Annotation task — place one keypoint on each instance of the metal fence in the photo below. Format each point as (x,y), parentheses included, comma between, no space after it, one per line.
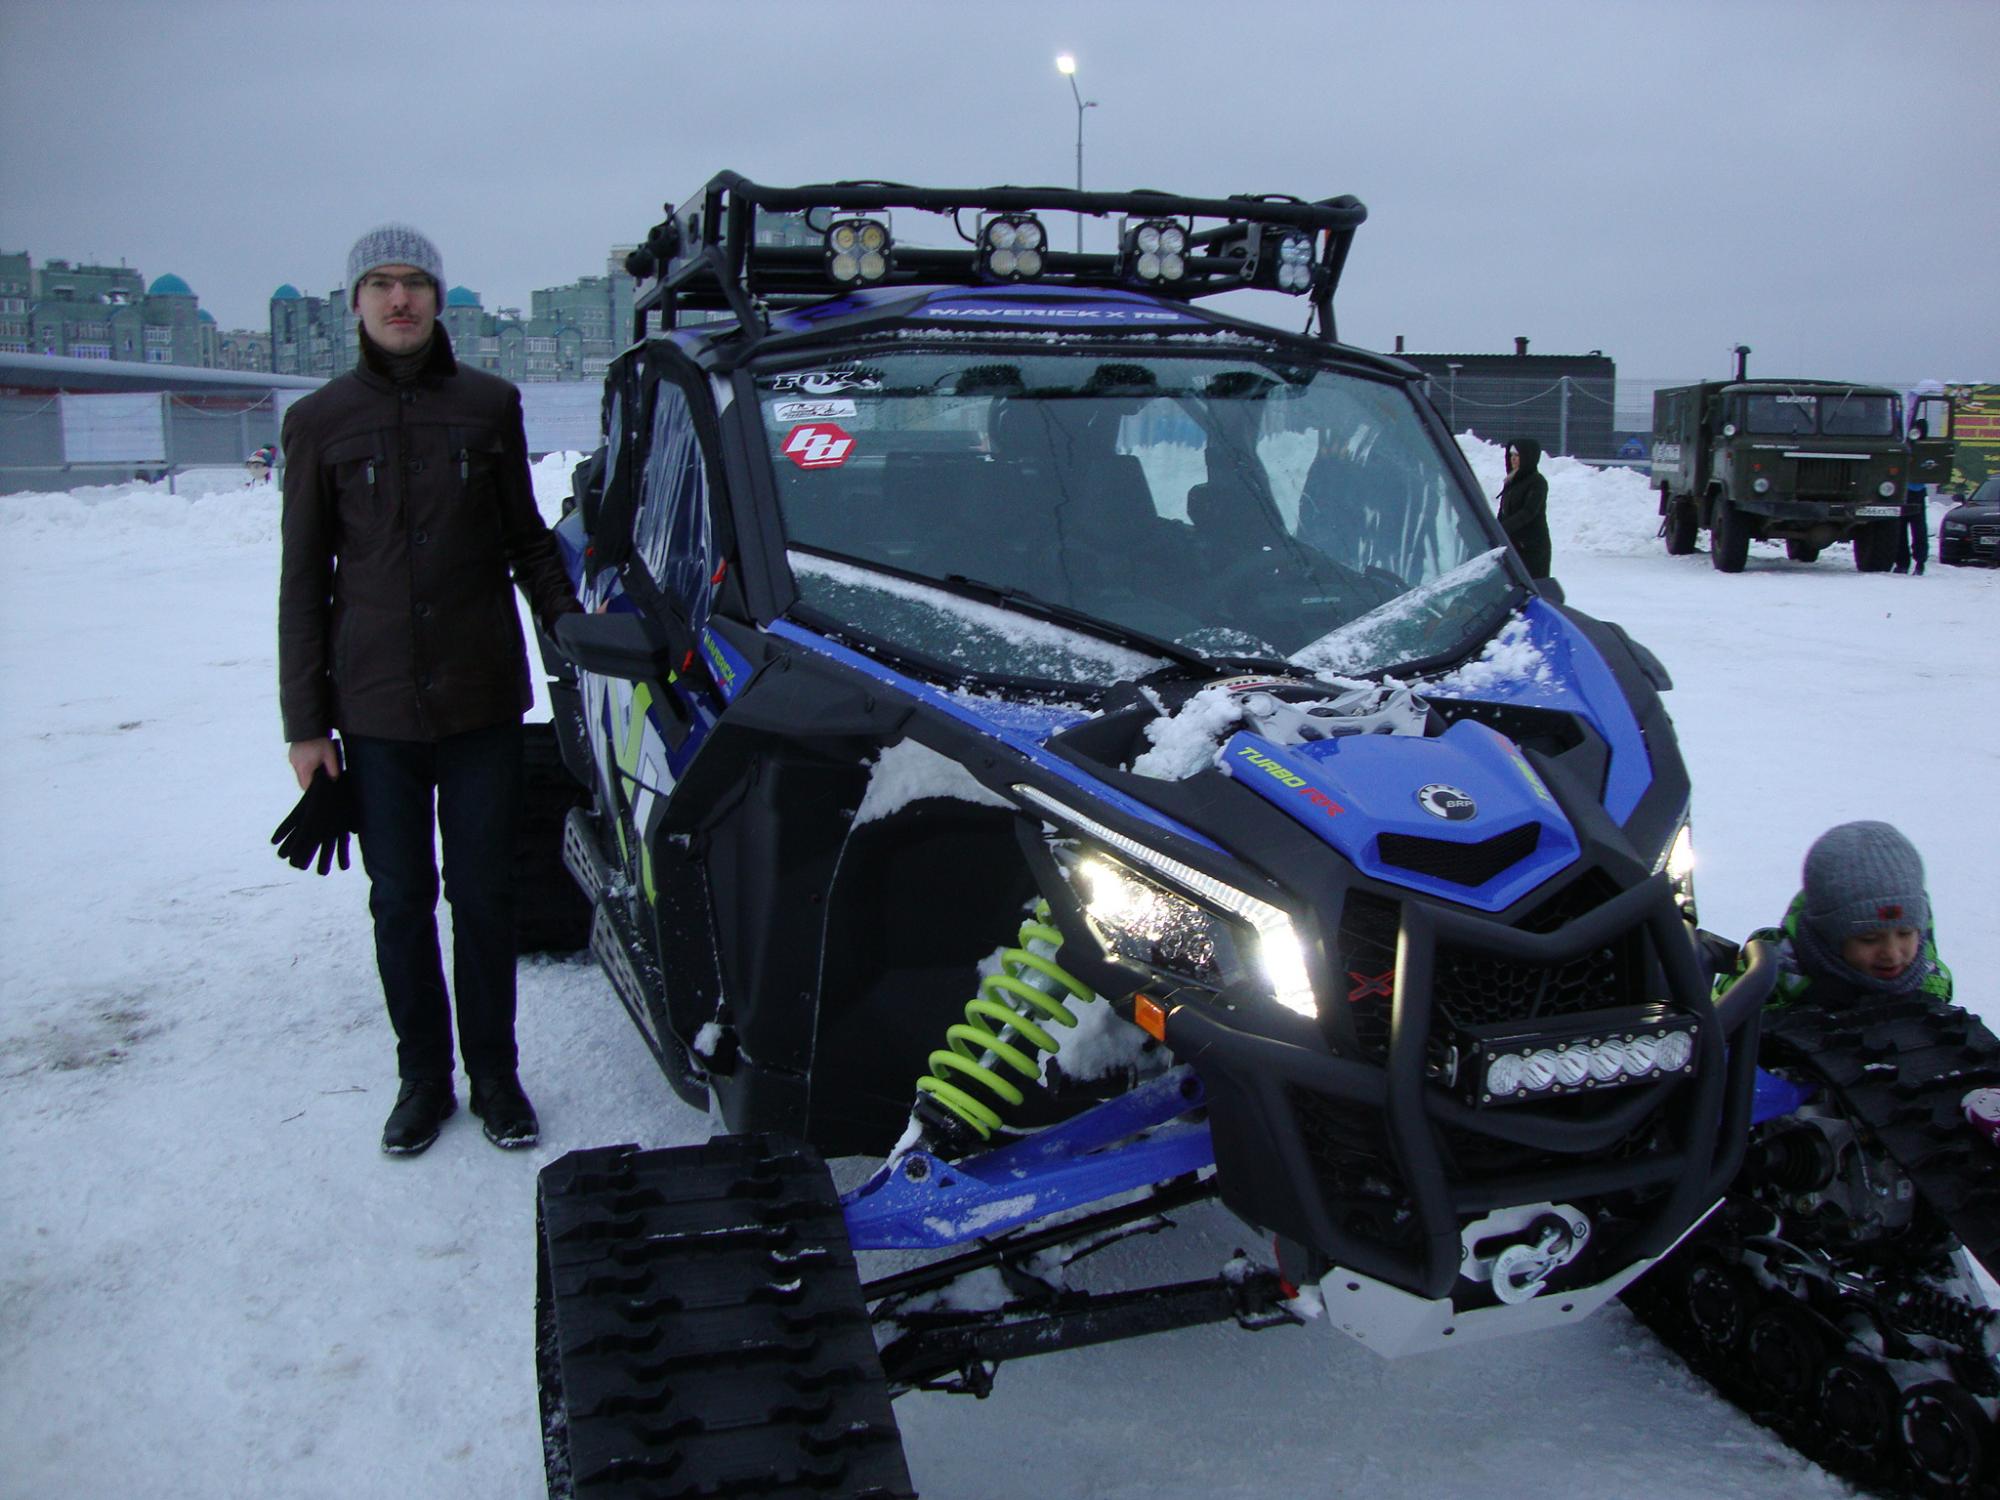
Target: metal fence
(56,442)
(1569,415)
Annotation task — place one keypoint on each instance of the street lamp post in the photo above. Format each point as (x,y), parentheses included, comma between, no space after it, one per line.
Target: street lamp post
(1066,65)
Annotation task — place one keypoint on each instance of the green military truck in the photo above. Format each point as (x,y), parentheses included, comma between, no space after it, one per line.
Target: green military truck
(1808,462)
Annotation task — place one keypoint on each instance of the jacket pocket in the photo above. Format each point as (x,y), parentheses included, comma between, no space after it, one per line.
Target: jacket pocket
(477,455)
(357,468)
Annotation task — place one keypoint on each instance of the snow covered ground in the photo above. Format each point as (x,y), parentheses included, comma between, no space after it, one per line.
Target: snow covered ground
(214,1285)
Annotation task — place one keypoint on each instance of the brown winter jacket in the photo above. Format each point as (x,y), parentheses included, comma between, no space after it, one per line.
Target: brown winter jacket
(406,510)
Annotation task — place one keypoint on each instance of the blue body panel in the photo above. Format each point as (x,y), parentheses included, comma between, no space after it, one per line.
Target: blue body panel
(1579,682)
(919,1201)
(1777,1096)
(1008,729)
(1352,789)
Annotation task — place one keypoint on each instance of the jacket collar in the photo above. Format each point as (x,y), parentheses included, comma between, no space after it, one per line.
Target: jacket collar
(439,364)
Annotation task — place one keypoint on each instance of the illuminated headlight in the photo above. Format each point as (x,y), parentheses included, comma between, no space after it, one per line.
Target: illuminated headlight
(1762,485)
(857,250)
(1678,861)
(1510,1066)
(1295,264)
(1149,909)
(1886,488)
(1010,247)
(1156,250)
(1956,528)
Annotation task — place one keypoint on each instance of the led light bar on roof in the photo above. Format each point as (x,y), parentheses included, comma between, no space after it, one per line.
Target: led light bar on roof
(857,250)
(1011,246)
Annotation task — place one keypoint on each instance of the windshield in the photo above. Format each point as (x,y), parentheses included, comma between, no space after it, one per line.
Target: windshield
(1838,414)
(1232,506)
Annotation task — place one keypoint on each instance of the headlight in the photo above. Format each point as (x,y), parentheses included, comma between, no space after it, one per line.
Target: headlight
(1761,485)
(1886,488)
(1678,861)
(1149,908)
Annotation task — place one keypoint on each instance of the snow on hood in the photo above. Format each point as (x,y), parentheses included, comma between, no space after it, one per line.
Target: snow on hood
(1510,657)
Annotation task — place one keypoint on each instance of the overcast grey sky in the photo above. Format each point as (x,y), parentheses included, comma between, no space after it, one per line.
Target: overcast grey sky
(1658,180)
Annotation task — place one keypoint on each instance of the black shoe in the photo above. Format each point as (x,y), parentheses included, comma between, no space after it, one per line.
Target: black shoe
(422,1106)
(505,1112)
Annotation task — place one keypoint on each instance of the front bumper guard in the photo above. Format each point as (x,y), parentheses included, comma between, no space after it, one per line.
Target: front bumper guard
(1258,1137)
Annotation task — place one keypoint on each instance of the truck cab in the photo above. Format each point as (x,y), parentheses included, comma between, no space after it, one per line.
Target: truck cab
(1808,462)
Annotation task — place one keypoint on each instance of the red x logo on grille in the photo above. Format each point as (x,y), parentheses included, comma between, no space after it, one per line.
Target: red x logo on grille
(1365,985)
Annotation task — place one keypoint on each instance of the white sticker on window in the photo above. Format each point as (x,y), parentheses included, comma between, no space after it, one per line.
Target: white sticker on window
(811,411)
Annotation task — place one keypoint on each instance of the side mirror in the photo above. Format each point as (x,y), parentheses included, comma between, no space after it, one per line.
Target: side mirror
(622,645)
(1550,590)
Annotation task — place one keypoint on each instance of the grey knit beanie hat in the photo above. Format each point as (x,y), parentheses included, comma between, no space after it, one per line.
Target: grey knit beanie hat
(1864,876)
(392,245)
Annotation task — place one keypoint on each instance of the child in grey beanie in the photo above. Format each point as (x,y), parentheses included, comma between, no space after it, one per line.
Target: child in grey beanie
(1861,924)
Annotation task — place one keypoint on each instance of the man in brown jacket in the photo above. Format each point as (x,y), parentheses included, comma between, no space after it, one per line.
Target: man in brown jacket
(408,508)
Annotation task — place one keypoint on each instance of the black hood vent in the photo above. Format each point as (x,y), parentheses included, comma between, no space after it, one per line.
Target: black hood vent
(1462,864)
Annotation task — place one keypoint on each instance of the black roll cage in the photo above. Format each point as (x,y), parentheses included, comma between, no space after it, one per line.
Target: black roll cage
(704,256)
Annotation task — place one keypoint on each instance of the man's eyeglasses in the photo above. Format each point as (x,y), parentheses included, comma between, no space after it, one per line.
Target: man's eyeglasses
(382,285)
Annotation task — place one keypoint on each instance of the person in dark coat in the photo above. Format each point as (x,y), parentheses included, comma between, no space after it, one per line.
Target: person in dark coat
(1913,542)
(1524,506)
(408,514)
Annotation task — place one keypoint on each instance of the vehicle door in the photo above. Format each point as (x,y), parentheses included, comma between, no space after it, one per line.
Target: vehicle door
(1931,455)
(655,553)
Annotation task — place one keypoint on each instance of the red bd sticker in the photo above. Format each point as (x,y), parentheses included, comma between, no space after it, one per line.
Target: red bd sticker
(818,445)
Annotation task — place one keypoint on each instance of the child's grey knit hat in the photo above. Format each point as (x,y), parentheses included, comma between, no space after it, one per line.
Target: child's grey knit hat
(392,245)
(1863,876)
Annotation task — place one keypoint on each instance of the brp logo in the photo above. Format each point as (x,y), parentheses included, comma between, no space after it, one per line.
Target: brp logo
(818,445)
(1446,802)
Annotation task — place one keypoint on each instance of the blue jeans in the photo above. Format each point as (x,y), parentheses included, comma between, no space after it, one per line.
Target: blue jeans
(475,782)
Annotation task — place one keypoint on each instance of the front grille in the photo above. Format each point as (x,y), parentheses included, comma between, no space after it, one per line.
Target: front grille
(1461,864)
(1827,476)
(1477,989)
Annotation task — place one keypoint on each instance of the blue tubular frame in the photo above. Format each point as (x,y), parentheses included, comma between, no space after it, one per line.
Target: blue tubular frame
(919,1202)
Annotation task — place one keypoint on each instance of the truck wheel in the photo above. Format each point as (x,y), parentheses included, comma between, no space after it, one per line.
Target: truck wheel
(1802,551)
(1729,539)
(1681,527)
(551,914)
(1875,546)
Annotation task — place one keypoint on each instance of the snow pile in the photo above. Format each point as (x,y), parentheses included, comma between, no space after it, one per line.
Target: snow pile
(1606,512)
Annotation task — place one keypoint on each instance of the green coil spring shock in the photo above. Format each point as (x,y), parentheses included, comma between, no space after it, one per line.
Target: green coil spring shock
(1012,1006)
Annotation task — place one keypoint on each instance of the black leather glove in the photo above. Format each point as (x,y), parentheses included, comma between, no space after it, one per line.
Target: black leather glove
(318,827)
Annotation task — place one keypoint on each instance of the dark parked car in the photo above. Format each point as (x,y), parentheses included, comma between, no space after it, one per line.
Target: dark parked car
(1970,531)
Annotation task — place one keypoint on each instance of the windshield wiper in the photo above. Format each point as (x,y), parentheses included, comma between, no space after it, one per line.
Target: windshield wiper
(1009,597)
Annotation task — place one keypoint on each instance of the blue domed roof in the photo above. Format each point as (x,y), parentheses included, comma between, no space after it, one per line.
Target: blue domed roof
(286,293)
(460,296)
(203,315)
(169,285)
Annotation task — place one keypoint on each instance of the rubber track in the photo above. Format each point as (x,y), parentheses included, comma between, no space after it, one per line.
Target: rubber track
(702,1329)
(1901,1067)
